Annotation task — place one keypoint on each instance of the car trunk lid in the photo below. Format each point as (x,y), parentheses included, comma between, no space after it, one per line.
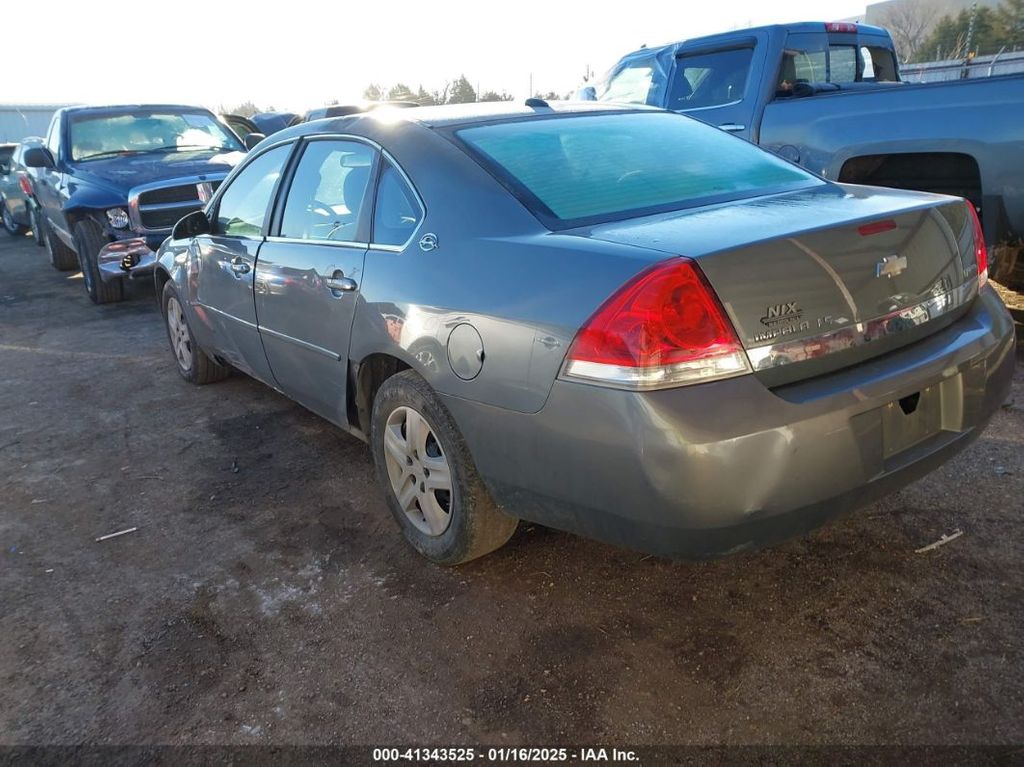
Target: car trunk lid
(818,280)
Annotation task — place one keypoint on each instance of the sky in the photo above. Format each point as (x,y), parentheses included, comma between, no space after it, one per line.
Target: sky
(299,54)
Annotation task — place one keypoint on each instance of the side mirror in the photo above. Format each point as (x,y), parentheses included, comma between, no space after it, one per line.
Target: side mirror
(587,93)
(252,139)
(192,225)
(38,157)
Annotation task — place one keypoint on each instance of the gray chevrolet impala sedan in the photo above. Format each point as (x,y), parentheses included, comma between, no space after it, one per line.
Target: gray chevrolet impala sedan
(618,322)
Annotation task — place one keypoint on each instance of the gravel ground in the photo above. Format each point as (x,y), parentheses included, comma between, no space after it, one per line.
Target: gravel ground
(267,596)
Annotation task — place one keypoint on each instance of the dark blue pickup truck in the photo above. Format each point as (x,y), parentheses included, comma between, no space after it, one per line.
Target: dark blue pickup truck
(114,180)
(829,96)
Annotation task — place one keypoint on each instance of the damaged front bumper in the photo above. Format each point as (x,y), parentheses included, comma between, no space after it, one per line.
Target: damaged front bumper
(132,258)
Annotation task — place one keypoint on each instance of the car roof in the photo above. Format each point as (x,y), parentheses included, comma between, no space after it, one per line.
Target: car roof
(458,115)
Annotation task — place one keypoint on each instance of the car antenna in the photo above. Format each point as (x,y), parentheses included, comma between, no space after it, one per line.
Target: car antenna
(535,102)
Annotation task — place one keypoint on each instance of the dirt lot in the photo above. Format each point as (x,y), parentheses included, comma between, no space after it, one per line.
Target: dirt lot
(267,596)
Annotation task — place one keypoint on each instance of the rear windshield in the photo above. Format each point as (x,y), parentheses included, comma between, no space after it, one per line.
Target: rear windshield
(603,167)
(820,58)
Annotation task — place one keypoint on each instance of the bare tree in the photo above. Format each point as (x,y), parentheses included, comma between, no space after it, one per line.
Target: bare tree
(909,23)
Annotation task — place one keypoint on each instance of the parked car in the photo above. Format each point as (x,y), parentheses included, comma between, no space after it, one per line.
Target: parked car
(343,110)
(617,322)
(241,125)
(262,123)
(829,96)
(17,193)
(271,122)
(113,180)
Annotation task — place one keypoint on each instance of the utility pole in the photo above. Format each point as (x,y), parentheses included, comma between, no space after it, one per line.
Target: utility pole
(970,30)
(530,94)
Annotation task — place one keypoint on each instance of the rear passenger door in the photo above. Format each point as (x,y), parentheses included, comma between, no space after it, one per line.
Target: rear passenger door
(308,272)
(717,86)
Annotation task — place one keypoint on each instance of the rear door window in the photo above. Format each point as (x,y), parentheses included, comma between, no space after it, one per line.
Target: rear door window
(328,192)
(710,79)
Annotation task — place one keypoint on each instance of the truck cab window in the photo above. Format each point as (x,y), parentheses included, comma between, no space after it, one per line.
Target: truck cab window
(811,58)
(710,79)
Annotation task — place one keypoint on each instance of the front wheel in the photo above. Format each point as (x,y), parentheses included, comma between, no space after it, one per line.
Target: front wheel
(194,365)
(62,258)
(89,240)
(36,219)
(431,483)
(11,226)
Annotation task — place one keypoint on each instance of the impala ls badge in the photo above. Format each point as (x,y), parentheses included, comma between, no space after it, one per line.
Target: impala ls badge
(890,266)
(428,242)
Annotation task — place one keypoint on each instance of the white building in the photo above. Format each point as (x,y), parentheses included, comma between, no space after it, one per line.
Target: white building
(20,120)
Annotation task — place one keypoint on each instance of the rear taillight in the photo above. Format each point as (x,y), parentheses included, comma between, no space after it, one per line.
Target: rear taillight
(980,251)
(665,327)
(25,186)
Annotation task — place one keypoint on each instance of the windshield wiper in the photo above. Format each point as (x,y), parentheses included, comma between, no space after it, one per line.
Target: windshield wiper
(111,153)
(183,147)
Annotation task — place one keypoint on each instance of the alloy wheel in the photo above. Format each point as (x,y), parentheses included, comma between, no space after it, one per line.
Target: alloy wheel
(419,472)
(177,330)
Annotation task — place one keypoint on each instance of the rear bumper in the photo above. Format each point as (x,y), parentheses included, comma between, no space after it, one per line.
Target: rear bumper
(130,258)
(732,465)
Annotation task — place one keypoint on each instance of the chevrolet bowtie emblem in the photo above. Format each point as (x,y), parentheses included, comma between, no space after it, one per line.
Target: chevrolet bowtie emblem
(890,266)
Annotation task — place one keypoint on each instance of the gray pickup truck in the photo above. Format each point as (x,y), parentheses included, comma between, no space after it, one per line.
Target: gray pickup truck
(829,96)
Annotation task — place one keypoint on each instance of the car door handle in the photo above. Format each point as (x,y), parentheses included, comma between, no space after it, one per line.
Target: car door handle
(732,127)
(338,281)
(239,266)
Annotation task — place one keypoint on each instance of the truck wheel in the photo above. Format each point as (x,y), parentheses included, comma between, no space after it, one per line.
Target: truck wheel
(194,365)
(37,227)
(88,241)
(431,483)
(13,227)
(62,258)
(1007,265)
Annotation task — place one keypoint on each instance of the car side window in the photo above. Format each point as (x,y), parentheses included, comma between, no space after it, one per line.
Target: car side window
(397,212)
(243,207)
(710,79)
(328,191)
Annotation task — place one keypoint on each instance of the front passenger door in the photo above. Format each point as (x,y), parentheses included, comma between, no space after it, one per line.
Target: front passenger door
(227,261)
(307,276)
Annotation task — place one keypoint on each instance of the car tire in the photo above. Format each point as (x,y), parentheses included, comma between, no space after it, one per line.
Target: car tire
(62,258)
(11,226)
(89,240)
(36,225)
(194,365)
(411,434)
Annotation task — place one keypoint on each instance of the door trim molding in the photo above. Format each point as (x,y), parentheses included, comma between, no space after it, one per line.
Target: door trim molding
(299,342)
(222,313)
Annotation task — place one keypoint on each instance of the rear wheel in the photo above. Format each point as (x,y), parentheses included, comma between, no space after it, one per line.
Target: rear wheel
(62,257)
(194,365)
(432,486)
(89,240)
(12,227)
